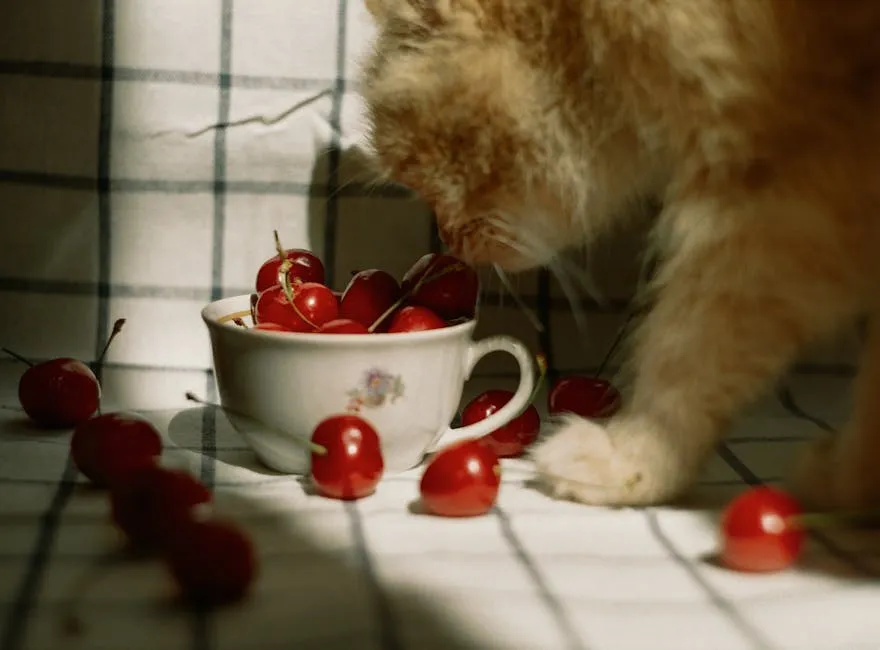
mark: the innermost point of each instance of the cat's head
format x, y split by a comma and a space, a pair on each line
461, 110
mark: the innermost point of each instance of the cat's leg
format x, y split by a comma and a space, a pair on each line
737, 299
842, 471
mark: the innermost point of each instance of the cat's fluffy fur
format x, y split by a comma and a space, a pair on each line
529, 125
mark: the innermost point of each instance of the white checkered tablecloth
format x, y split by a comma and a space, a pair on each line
148, 148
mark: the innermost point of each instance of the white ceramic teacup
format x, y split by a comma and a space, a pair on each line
275, 386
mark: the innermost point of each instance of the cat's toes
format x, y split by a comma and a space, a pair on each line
829, 475
618, 466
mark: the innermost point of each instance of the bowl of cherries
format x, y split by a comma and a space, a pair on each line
385, 358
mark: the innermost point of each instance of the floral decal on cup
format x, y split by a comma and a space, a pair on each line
377, 388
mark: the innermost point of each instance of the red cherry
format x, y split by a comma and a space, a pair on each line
59, 393
213, 562
451, 287
269, 326
368, 296
148, 504
313, 305
304, 267
510, 440
415, 319
343, 326
63, 392
589, 397
461, 480
757, 531
108, 447
352, 464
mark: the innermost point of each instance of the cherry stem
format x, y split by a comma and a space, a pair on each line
418, 285
313, 447
253, 306
117, 328
541, 361
239, 322
233, 317
278, 247
533, 319
835, 519
17, 357
287, 288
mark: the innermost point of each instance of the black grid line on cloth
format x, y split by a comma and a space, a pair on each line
334, 155
202, 621
170, 186
790, 404
117, 365
573, 640
202, 631
105, 145
208, 443
286, 480
748, 476
388, 638
543, 307
59, 70
146, 291
223, 112
202, 628
498, 374
26, 598
65, 287
724, 606
27, 594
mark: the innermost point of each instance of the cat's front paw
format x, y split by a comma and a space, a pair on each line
831, 474
626, 464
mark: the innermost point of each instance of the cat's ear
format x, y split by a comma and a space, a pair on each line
382, 9
378, 7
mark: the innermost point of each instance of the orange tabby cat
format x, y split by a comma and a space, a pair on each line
531, 125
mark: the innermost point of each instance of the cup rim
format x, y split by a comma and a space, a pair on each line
328, 340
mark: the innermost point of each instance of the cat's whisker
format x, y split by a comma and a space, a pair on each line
577, 309
529, 314
341, 187
484, 286
584, 278
516, 238
518, 246
500, 293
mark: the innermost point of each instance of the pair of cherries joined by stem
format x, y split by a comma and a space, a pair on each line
588, 397
63, 392
460, 480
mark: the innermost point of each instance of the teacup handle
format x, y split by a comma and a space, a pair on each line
476, 351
